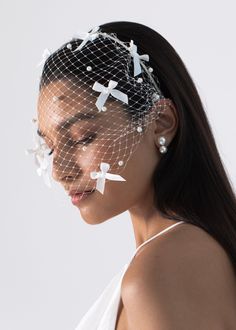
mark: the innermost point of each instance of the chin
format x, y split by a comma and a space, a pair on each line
92, 219
98, 213
93, 214
98, 209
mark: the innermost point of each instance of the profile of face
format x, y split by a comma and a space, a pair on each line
81, 138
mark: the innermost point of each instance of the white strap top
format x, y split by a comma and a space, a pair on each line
103, 313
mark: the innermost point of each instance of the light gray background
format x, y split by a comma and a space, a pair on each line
53, 264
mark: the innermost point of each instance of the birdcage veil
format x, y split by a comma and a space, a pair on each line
97, 96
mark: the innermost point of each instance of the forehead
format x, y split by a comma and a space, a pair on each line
60, 100
64, 98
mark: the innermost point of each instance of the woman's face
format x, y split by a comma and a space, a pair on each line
108, 137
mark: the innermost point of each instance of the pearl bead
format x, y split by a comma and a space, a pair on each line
155, 97
139, 129
55, 98
150, 69
162, 140
69, 46
89, 68
84, 148
139, 80
120, 163
163, 149
104, 108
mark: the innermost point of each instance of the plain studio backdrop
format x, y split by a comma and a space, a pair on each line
52, 264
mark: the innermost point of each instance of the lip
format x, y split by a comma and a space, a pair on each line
76, 192
77, 198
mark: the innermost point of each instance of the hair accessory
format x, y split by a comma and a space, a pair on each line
137, 58
87, 36
97, 96
103, 175
45, 55
105, 91
40, 158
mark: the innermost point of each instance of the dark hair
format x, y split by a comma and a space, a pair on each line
190, 181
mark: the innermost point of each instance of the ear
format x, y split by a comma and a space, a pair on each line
167, 121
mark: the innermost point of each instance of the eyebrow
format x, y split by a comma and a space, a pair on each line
70, 121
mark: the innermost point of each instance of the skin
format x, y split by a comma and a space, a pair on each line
182, 280
153, 267
133, 195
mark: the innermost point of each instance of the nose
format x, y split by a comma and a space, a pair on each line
64, 170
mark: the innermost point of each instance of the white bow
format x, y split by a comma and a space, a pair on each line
40, 159
105, 91
46, 54
86, 36
137, 58
43, 171
102, 175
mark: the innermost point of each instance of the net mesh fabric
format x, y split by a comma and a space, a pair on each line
97, 97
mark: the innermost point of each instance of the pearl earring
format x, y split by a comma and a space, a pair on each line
162, 141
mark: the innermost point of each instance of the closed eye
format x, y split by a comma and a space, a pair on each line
83, 141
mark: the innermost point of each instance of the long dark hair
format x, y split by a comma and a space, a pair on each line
190, 181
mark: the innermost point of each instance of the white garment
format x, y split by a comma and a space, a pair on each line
103, 313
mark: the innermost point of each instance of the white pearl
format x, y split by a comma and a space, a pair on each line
89, 68
120, 163
150, 69
163, 149
84, 148
139, 80
55, 98
104, 108
162, 140
155, 97
69, 46
139, 129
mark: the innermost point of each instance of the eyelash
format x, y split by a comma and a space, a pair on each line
86, 140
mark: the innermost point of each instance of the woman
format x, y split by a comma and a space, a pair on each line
127, 131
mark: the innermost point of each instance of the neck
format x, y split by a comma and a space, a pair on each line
147, 220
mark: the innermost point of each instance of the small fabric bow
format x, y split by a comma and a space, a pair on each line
106, 91
102, 175
137, 58
87, 36
43, 171
46, 54
40, 159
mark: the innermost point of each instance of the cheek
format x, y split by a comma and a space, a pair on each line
100, 150
113, 202
118, 196
139, 172
139, 178
91, 157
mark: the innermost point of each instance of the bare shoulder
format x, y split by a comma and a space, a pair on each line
184, 278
